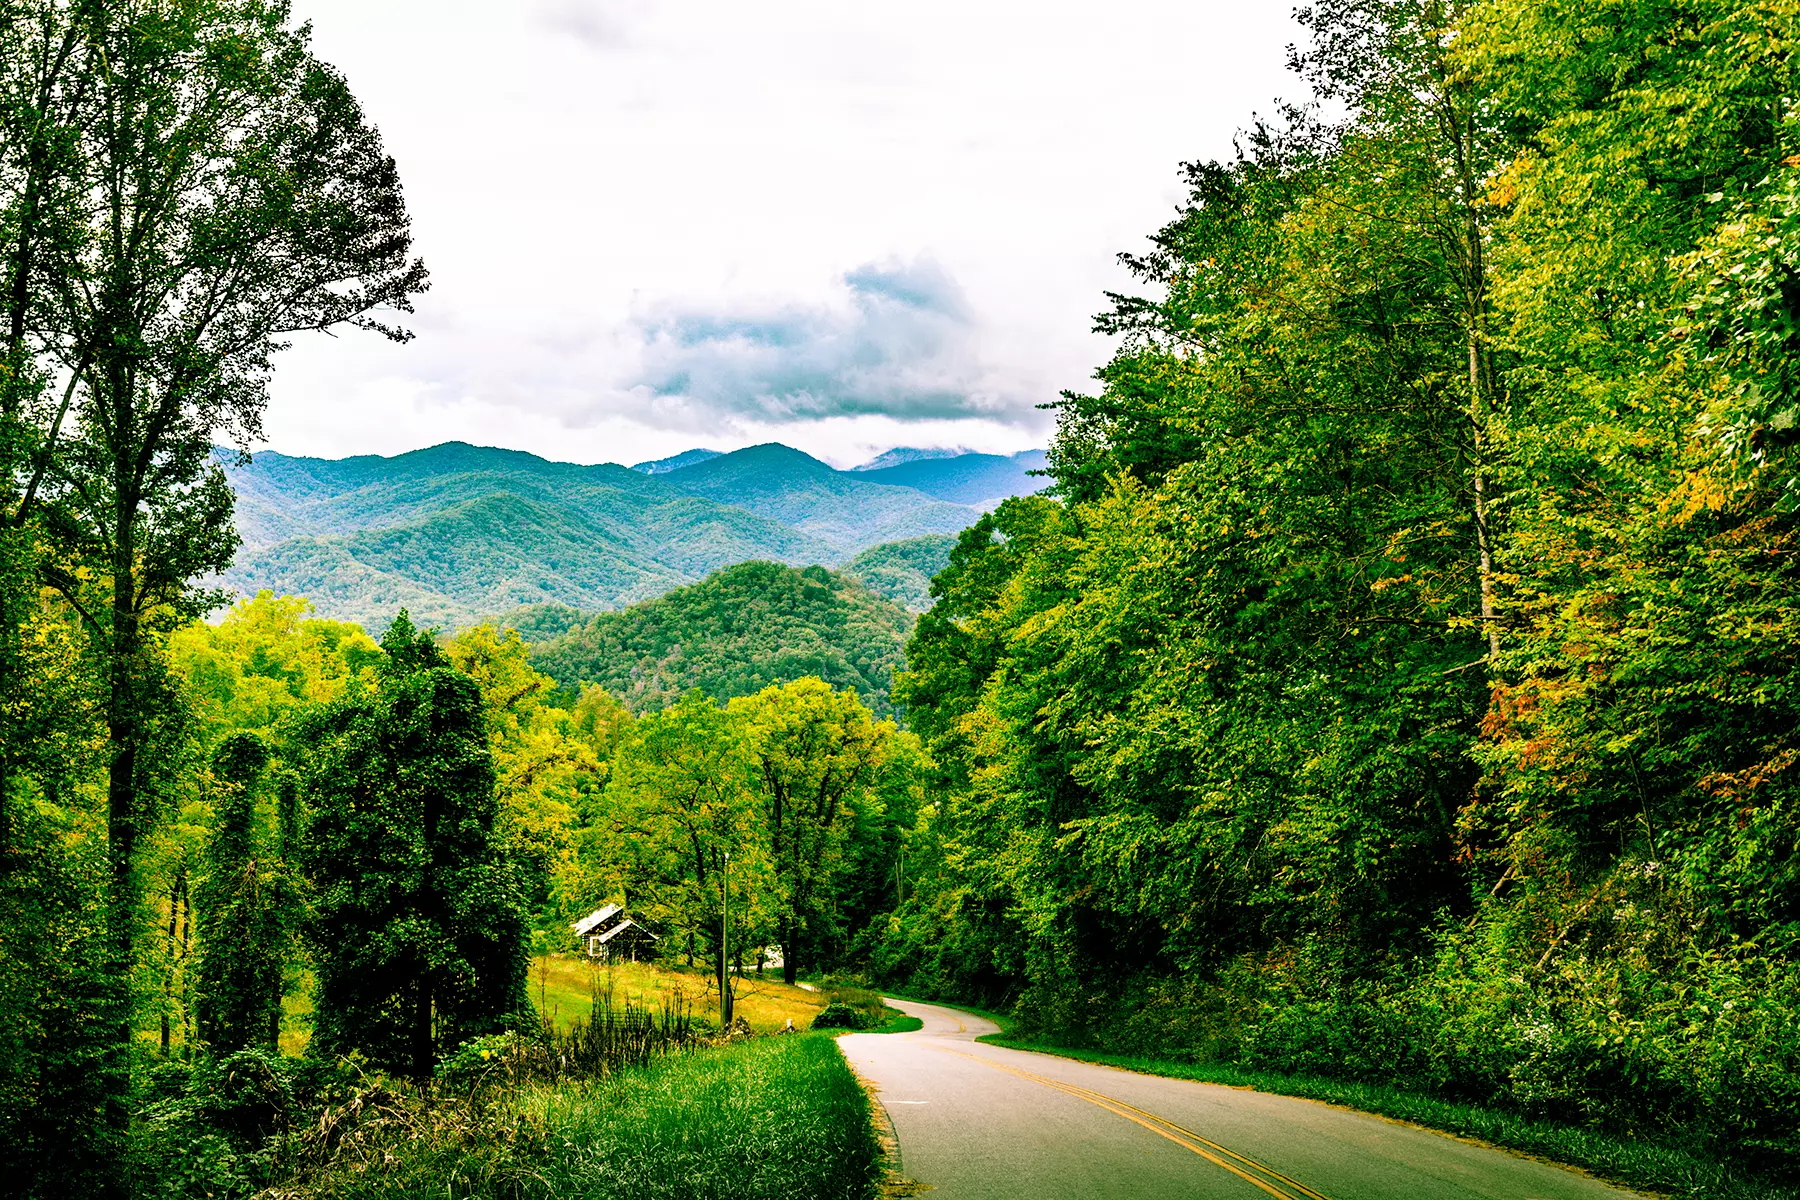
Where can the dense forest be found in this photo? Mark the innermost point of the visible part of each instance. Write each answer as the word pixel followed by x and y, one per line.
pixel 903 571
pixel 733 634
pixel 1399 685
pixel 1394 683
pixel 268 872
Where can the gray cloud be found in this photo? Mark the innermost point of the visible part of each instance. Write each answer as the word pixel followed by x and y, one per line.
pixel 899 343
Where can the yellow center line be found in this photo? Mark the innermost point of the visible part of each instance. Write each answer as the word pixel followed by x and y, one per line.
pixel 1187 1139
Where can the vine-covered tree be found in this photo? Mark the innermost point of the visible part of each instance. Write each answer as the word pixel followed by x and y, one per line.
pixel 246 907
pixel 418 930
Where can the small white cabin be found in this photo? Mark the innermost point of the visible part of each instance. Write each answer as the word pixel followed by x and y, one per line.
pixel 610 934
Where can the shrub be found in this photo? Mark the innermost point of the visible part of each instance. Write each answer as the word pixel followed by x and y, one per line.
pixel 840 1016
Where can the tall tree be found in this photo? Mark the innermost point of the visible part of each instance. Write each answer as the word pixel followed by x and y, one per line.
pixel 679 807
pixel 246 907
pixel 419 927
pixel 42 107
pixel 818 756
pixel 224 190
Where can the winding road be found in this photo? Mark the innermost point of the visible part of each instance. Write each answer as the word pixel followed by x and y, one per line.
pixel 980 1122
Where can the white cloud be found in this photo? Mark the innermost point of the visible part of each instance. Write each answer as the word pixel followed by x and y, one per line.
pixel 650 225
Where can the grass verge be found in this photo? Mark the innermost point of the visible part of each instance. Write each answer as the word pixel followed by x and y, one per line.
pixel 779 1118
pixel 562 988
pixel 1689 1171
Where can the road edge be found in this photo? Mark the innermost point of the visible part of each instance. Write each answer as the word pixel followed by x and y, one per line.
pixel 1008 1041
pixel 894 1180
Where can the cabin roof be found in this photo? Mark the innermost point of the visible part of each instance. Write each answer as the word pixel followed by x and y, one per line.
pixel 622 926
pixel 595 919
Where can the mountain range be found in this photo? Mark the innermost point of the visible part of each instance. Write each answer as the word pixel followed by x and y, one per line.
pixel 457 532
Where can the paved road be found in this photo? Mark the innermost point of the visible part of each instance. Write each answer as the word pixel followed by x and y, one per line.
pixel 981 1122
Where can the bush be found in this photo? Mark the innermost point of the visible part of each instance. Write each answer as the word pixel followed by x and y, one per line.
pixel 841 1016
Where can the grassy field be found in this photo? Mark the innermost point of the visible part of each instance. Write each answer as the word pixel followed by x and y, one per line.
pixel 562 987
pixel 779 1118
pixel 1689 1171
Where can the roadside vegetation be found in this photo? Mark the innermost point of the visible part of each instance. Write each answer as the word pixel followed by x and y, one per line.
pixel 1398 687
pixel 773 1118
pixel 1667 1164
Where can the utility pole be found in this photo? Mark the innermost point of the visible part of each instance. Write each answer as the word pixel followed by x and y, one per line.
pixel 725 945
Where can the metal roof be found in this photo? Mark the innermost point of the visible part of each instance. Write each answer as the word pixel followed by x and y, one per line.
pixel 598 917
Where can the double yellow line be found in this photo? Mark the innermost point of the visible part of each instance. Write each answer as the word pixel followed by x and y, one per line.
pixel 1248 1169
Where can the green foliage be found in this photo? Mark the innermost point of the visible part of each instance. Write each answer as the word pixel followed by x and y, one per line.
pixel 418 929
pixel 1399 686
pixel 840 1016
pixel 249 908
pixel 549 760
pixel 818 760
pixel 902 571
pixel 768 1119
pixel 680 821
pixel 743 629
pixel 59 1061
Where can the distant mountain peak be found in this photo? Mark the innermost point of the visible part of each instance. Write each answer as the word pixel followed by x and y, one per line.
pixel 687 458
pixel 906 454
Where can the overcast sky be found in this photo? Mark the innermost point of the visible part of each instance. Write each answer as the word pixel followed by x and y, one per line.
pixel 844 225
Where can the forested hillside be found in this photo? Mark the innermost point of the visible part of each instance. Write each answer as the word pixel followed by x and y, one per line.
pixel 1400 684
pixel 847 510
pixel 743 629
pixel 902 571
pixel 457 532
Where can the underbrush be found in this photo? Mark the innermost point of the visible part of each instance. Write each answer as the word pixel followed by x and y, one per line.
pixel 626 1102
pixel 768 1118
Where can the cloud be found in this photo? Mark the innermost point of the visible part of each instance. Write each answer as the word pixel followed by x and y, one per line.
pixel 599 24
pixel 897 340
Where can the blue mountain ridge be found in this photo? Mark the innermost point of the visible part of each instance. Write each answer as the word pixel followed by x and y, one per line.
pixel 457 532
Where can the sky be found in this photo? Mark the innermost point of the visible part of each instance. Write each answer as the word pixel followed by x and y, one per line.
pixel 846 226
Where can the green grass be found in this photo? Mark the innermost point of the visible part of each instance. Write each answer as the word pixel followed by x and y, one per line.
pixel 775 1118
pixel 1687 1170
pixel 898 1023
pixel 561 986
pixel 779 1117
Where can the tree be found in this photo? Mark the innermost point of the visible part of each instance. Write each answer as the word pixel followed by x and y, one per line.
pixel 546 770
pixel 217 188
pixel 247 909
pixel 818 756
pixel 678 804
pixel 419 927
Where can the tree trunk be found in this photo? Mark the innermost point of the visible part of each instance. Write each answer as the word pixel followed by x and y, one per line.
pixel 422 1047
pixel 1483 536
pixel 124 732
pixel 790 956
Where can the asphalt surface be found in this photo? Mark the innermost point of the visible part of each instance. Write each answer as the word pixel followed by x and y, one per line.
pixel 977 1122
